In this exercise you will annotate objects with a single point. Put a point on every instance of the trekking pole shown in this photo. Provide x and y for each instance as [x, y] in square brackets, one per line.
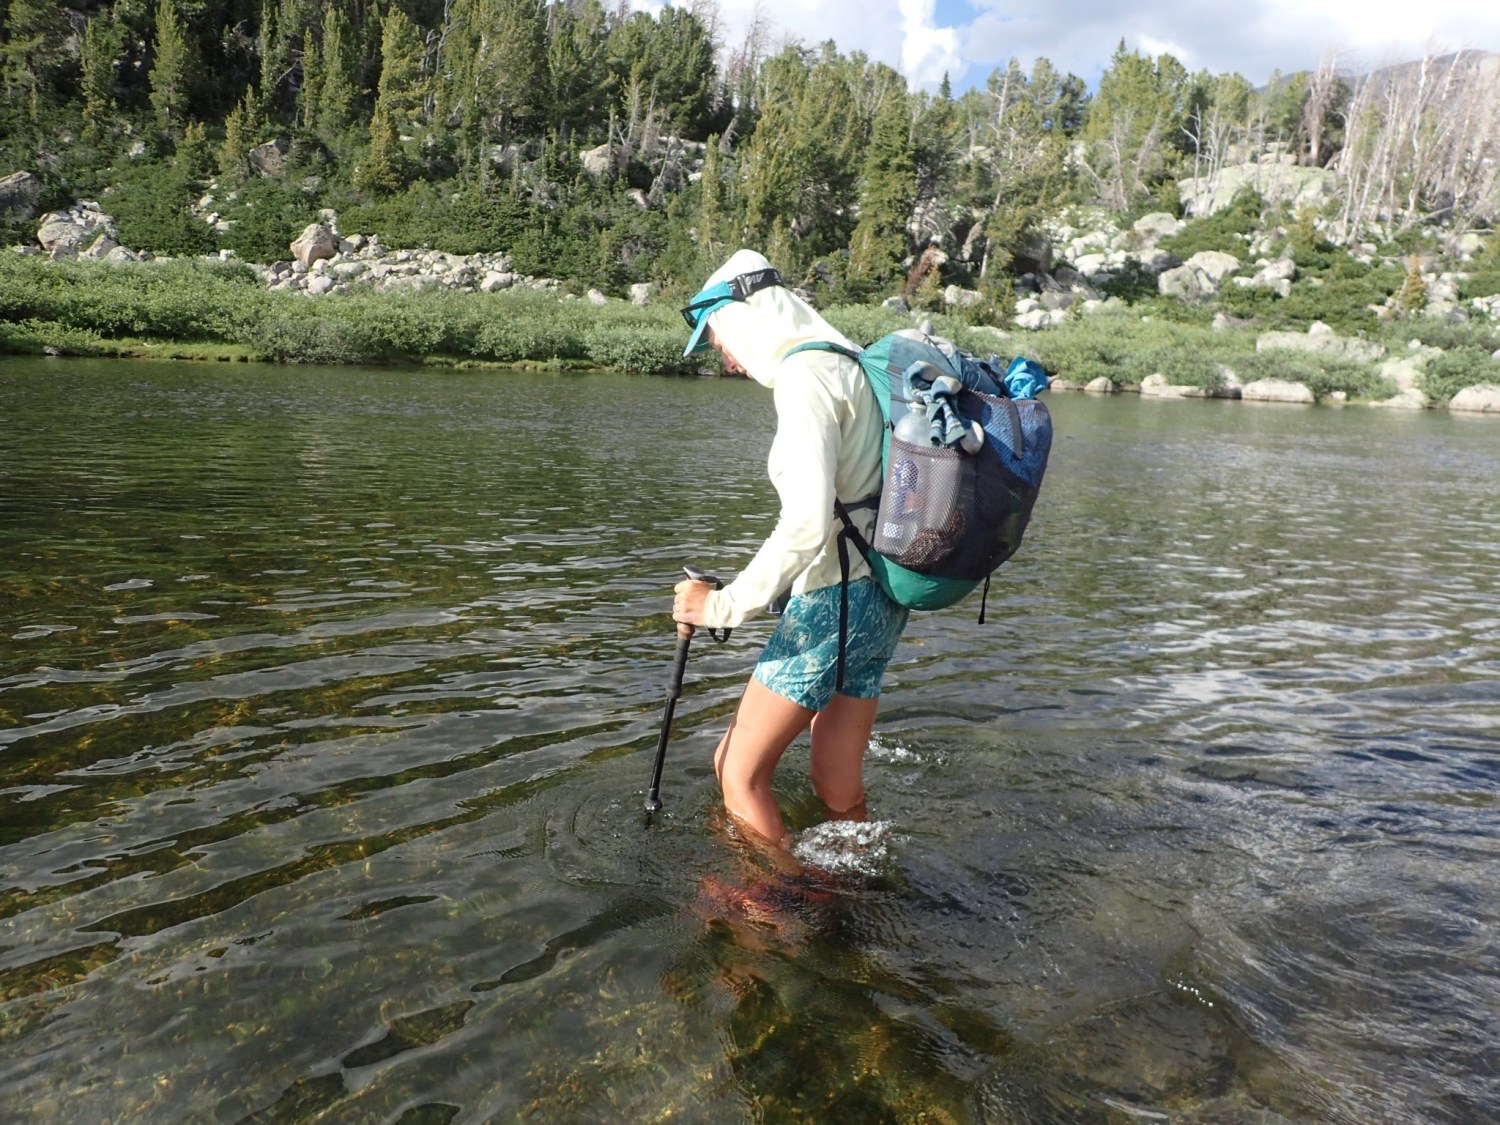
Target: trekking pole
[674, 690]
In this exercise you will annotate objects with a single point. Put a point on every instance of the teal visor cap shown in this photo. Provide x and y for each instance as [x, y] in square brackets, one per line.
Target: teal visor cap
[712, 297]
[697, 311]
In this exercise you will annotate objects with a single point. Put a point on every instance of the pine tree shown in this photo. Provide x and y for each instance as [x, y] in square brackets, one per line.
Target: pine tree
[1412, 297]
[498, 55]
[679, 65]
[580, 84]
[31, 47]
[102, 41]
[169, 71]
[194, 155]
[800, 166]
[268, 47]
[398, 103]
[888, 187]
[241, 129]
[937, 149]
[1133, 126]
[714, 222]
[335, 100]
[310, 89]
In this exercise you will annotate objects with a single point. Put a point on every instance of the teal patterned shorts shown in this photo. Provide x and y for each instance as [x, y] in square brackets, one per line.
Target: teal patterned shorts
[800, 661]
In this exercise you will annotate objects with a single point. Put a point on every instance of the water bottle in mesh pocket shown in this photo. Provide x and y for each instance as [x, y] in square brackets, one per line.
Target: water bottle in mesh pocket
[924, 505]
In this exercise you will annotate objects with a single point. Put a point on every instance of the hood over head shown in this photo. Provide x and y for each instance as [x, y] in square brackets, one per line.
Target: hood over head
[760, 330]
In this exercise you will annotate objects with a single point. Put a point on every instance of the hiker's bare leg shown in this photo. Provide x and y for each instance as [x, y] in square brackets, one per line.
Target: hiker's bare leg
[840, 736]
[761, 730]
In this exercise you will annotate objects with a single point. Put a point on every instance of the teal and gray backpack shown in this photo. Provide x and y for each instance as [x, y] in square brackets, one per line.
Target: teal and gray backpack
[945, 517]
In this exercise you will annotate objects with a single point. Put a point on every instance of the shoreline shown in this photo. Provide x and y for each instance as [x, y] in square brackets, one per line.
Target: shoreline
[216, 311]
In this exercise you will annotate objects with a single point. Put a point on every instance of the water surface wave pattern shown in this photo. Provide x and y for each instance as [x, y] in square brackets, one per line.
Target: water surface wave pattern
[327, 704]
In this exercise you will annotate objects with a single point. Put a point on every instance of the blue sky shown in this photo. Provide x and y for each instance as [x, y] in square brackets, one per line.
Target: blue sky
[970, 38]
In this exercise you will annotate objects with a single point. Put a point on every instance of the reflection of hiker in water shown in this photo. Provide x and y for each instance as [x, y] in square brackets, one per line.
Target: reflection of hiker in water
[827, 446]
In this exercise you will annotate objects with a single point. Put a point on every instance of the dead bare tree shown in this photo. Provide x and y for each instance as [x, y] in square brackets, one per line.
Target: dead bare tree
[1322, 92]
[1422, 143]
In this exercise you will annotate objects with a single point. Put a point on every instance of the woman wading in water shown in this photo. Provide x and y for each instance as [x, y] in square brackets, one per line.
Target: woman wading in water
[827, 447]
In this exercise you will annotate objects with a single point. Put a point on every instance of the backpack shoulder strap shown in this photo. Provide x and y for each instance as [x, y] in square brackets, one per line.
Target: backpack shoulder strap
[849, 533]
[823, 346]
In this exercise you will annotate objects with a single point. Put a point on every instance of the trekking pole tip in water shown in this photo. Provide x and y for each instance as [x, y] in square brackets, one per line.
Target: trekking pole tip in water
[674, 689]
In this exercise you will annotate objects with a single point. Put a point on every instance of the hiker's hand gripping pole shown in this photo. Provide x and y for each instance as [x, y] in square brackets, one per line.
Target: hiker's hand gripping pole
[674, 687]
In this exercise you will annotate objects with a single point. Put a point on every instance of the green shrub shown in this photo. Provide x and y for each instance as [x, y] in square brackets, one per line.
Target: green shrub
[151, 212]
[265, 216]
[1443, 334]
[1344, 297]
[1253, 302]
[1447, 374]
[395, 325]
[864, 324]
[1180, 365]
[35, 337]
[514, 339]
[1084, 351]
[182, 300]
[1127, 348]
[1133, 284]
[1323, 375]
[1227, 231]
[649, 348]
[287, 337]
[1480, 283]
[462, 221]
[1483, 275]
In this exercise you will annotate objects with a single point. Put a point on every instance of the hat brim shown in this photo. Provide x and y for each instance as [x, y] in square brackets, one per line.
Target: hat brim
[696, 343]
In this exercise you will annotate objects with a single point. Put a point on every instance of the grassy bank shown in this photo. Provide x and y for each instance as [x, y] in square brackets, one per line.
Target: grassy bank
[221, 310]
[205, 309]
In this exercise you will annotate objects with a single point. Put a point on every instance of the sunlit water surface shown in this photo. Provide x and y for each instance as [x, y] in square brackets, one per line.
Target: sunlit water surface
[328, 700]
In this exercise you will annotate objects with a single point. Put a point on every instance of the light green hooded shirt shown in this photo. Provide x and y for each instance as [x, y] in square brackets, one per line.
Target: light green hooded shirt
[827, 444]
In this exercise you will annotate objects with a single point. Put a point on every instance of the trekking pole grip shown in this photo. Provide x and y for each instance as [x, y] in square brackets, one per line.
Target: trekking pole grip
[698, 574]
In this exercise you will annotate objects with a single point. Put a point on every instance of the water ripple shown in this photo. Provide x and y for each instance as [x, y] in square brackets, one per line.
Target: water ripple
[330, 697]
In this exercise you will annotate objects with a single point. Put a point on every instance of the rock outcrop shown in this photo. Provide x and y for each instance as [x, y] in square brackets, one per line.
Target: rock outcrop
[62, 234]
[1278, 390]
[314, 244]
[1156, 386]
[1409, 399]
[1277, 180]
[1482, 398]
[1322, 340]
[19, 193]
[268, 160]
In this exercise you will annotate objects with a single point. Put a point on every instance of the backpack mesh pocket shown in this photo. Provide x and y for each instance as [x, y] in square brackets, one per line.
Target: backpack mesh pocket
[925, 505]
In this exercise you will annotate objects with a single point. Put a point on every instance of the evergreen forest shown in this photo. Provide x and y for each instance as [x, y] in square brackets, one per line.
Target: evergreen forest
[608, 146]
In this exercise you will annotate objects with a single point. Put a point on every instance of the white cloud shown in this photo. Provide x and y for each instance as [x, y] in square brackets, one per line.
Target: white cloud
[1157, 47]
[1253, 37]
[928, 52]
[970, 38]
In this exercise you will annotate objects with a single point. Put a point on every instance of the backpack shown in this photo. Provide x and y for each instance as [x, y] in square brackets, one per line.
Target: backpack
[945, 518]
